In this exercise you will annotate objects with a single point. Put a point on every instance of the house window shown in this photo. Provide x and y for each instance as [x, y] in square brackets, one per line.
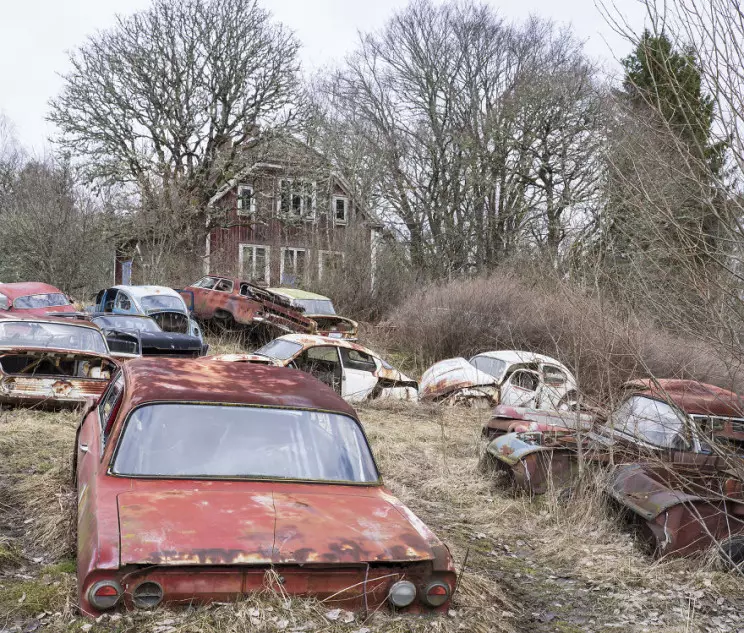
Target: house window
[293, 265]
[340, 209]
[297, 198]
[254, 262]
[329, 262]
[246, 201]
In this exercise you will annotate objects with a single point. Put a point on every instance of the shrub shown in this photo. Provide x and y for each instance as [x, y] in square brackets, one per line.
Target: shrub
[508, 311]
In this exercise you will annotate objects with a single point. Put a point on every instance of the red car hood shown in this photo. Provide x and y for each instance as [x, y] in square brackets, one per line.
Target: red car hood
[217, 527]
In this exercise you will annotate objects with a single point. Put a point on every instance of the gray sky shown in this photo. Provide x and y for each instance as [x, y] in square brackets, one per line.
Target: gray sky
[35, 35]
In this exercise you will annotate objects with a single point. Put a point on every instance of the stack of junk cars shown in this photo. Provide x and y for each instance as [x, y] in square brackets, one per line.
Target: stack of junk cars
[203, 478]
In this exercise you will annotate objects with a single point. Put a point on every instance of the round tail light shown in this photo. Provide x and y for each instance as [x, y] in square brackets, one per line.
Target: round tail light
[147, 595]
[436, 593]
[104, 594]
[402, 593]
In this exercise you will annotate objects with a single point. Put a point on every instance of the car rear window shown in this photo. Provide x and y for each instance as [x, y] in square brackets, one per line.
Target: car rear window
[162, 302]
[212, 441]
[33, 302]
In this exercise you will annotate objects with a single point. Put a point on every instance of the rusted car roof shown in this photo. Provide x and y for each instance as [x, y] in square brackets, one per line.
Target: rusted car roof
[25, 288]
[693, 397]
[178, 379]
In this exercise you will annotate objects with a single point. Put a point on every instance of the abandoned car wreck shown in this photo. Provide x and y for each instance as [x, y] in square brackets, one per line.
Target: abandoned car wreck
[509, 377]
[202, 481]
[230, 304]
[672, 452]
[52, 363]
[351, 370]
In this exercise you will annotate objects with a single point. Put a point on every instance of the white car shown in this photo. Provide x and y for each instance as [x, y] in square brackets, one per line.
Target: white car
[508, 377]
[164, 305]
[353, 371]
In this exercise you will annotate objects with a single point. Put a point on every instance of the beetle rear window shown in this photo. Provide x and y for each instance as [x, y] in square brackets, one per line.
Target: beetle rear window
[205, 441]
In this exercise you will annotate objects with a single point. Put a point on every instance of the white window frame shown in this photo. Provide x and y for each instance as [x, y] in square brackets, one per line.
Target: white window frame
[346, 209]
[242, 262]
[304, 215]
[252, 209]
[294, 260]
[321, 257]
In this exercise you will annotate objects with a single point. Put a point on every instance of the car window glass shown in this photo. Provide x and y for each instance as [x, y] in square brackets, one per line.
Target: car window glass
[224, 285]
[524, 380]
[354, 359]
[207, 283]
[492, 366]
[554, 376]
[122, 302]
[279, 349]
[213, 441]
[4, 303]
[47, 300]
[650, 421]
[107, 407]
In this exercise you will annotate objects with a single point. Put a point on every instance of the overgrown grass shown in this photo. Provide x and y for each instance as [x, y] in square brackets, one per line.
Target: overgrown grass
[526, 564]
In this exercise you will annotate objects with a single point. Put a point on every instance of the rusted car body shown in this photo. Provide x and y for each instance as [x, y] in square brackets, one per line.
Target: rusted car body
[506, 419]
[510, 377]
[201, 481]
[351, 370]
[33, 299]
[682, 510]
[320, 309]
[52, 363]
[231, 303]
[672, 447]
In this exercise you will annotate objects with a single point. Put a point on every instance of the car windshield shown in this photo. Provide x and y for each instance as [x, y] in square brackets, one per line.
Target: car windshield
[316, 306]
[207, 282]
[48, 300]
[152, 303]
[213, 441]
[127, 323]
[279, 349]
[38, 334]
[492, 366]
[650, 421]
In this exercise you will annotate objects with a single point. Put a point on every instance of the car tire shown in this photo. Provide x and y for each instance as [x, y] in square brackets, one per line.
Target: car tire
[732, 553]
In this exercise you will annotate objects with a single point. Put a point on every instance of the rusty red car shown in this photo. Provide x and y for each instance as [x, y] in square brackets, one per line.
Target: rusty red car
[52, 363]
[200, 481]
[33, 299]
[672, 451]
[229, 303]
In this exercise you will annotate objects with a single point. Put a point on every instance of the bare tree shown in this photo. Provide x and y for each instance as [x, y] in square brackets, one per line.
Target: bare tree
[53, 231]
[479, 133]
[166, 100]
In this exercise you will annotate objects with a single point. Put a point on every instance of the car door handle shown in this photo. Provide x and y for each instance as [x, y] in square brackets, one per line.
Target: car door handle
[83, 448]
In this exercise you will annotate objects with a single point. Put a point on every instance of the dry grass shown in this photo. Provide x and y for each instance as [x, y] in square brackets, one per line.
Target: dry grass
[537, 565]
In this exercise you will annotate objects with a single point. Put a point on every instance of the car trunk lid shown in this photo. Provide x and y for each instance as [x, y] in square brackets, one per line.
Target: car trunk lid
[210, 527]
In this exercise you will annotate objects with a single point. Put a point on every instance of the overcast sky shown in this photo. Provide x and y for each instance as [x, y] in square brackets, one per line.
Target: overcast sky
[35, 36]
